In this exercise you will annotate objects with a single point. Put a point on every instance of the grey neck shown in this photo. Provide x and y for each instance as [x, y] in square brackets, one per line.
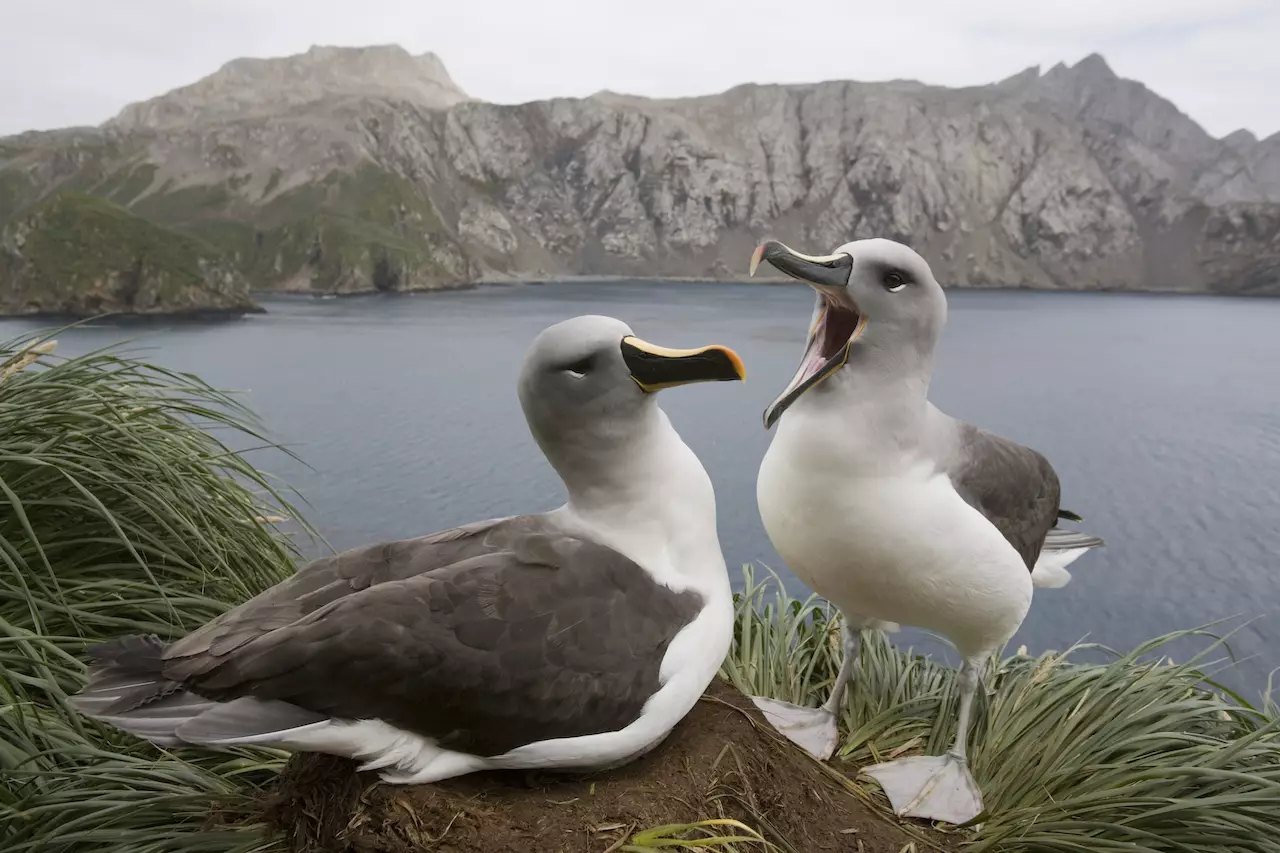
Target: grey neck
[881, 394]
[893, 371]
[644, 493]
[606, 456]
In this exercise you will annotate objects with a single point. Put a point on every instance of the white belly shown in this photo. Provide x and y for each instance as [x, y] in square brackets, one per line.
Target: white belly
[898, 546]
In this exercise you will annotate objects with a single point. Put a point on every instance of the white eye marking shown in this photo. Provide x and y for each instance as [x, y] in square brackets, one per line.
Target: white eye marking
[895, 288]
[894, 281]
[579, 368]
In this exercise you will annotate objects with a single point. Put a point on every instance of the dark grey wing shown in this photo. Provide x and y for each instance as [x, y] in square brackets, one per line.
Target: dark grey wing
[1013, 486]
[322, 582]
[549, 636]
[115, 686]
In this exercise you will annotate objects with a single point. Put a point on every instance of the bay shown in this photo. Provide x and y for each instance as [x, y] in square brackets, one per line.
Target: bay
[1161, 415]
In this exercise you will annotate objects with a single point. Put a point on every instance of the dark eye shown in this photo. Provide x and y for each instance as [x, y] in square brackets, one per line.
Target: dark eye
[579, 368]
[894, 281]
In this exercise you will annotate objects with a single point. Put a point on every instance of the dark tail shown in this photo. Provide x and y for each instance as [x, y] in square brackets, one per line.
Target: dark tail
[128, 690]
[1062, 539]
[139, 653]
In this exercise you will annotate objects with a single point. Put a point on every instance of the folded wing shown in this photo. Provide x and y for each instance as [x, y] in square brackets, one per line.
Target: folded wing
[482, 638]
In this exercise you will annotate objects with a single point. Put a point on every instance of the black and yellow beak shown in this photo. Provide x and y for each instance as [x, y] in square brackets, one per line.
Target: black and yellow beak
[654, 368]
[837, 322]
[818, 270]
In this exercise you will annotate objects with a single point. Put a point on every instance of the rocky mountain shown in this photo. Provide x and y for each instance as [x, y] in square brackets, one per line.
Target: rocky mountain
[245, 88]
[346, 170]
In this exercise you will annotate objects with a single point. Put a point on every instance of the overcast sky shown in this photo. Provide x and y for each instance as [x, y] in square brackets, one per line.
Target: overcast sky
[65, 62]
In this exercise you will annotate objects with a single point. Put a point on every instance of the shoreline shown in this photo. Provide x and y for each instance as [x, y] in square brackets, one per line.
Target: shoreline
[191, 314]
[582, 280]
[208, 314]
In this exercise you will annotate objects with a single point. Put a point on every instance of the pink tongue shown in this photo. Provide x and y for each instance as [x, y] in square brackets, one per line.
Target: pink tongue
[810, 365]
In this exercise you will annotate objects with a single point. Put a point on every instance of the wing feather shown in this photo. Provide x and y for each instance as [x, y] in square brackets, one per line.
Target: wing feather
[484, 638]
[1013, 486]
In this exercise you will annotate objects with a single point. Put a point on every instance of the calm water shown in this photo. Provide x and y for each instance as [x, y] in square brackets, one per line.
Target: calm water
[1161, 415]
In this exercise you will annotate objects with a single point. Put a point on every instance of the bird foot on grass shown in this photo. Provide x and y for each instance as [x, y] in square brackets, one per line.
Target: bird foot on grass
[812, 729]
[933, 787]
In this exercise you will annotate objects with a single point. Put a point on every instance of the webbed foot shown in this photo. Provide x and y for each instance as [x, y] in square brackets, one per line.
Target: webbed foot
[934, 787]
[812, 729]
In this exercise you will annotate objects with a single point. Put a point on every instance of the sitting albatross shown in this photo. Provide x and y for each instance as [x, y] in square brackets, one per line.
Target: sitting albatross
[575, 638]
[893, 511]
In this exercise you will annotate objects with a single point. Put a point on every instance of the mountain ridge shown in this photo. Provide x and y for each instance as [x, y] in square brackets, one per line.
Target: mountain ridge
[348, 170]
[250, 86]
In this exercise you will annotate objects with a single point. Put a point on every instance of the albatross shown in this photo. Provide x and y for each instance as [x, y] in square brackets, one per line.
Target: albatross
[893, 511]
[575, 638]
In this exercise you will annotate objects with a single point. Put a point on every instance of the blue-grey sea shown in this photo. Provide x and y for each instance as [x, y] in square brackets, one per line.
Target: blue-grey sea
[1160, 413]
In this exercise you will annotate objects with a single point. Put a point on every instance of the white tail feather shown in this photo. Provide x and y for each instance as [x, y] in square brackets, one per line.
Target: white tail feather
[1061, 549]
[1050, 571]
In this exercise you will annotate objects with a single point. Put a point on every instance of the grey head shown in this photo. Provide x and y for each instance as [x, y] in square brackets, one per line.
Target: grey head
[877, 306]
[587, 386]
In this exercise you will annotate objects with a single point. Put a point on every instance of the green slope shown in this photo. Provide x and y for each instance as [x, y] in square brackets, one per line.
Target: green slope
[80, 255]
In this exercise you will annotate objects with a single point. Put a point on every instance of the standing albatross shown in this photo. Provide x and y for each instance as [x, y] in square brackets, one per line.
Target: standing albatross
[575, 638]
[893, 511]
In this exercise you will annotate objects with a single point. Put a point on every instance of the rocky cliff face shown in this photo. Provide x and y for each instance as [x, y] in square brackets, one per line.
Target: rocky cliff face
[1072, 179]
[1247, 171]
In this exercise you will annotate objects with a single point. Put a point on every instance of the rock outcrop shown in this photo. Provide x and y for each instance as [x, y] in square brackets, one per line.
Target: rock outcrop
[355, 170]
[77, 255]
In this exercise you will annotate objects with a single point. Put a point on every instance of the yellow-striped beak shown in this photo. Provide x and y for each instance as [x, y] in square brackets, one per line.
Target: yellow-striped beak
[655, 367]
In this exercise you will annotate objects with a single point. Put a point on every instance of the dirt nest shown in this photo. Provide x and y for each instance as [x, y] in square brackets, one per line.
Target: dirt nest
[722, 760]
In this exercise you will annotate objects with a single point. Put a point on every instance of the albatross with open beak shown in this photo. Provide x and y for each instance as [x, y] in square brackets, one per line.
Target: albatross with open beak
[575, 638]
[893, 511]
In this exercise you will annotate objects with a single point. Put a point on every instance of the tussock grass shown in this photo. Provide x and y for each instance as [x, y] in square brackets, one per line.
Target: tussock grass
[1138, 753]
[122, 510]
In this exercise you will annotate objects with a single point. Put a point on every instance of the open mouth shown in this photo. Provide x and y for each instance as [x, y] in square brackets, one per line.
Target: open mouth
[839, 321]
[836, 328]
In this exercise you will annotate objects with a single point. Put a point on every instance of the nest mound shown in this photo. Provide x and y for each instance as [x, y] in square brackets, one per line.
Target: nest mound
[722, 760]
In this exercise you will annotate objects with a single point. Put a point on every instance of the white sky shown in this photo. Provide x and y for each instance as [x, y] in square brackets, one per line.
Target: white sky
[65, 62]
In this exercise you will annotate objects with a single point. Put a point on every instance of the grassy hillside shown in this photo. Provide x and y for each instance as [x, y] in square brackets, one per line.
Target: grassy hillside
[82, 255]
[361, 230]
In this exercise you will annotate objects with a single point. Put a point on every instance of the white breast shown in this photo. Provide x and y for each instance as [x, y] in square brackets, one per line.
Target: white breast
[891, 540]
